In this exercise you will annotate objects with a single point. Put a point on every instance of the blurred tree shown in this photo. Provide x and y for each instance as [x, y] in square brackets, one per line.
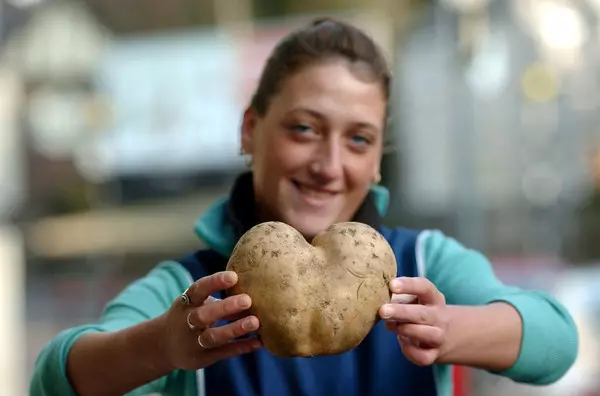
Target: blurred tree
[74, 197]
[269, 8]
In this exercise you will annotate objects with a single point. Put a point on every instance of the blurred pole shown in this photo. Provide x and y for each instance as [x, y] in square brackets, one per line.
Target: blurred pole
[12, 262]
[464, 194]
[12, 313]
[235, 22]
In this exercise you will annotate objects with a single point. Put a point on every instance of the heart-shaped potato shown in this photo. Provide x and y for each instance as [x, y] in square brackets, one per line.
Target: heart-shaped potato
[313, 299]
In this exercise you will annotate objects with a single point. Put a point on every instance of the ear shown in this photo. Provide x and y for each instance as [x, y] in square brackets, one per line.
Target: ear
[377, 173]
[247, 131]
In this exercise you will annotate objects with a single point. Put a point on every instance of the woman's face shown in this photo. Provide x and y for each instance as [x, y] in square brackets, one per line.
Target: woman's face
[318, 148]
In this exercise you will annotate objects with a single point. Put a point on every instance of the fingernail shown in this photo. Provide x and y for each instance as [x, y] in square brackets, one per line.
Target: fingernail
[396, 285]
[244, 301]
[386, 312]
[256, 344]
[248, 324]
[230, 277]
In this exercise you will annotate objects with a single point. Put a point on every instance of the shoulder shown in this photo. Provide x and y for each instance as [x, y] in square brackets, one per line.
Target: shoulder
[427, 248]
[399, 234]
[431, 243]
[401, 237]
[152, 292]
[407, 244]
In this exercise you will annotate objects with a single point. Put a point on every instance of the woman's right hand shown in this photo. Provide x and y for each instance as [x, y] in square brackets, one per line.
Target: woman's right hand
[192, 342]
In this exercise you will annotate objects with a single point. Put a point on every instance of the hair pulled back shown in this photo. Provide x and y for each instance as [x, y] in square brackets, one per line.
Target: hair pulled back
[322, 40]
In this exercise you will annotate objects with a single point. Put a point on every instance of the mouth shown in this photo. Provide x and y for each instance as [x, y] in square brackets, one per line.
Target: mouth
[313, 195]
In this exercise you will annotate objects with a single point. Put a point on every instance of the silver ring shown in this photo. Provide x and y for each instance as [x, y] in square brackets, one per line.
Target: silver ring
[184, 298]
[200, 342]
[187, 319]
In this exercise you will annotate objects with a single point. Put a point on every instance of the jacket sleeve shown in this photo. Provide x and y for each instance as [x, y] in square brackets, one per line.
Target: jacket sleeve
[550, 339]
[143, 299]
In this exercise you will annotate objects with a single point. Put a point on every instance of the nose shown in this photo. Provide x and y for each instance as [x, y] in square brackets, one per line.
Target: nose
[327, 164]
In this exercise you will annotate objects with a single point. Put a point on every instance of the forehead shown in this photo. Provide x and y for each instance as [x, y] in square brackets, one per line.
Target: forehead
[334, 90]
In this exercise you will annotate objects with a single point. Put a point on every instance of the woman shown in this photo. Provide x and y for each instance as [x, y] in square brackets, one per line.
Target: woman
[314, 132]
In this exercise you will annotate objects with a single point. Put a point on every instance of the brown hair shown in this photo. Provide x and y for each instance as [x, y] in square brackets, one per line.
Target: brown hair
[321, 40]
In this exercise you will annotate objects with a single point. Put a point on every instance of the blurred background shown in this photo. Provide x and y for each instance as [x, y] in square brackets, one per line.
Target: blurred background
[119, 124]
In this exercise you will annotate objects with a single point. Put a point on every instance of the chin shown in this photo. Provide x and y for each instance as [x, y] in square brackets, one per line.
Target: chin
[309, 226]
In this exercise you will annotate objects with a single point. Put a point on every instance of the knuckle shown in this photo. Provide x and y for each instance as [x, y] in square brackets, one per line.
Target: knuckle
[399, 311]
[223, 334]
[430, 287]
[439, 337]
[228, 307]
[238, 329]
[203, 316]
[209, 338]
[433, 336]
[221, 308]
[442, 297]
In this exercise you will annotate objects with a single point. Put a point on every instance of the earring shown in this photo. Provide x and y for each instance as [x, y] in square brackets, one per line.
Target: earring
[377, 178]
[248, 158]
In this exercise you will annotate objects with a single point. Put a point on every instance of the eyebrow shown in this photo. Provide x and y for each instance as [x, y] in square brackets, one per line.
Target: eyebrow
[322, 117]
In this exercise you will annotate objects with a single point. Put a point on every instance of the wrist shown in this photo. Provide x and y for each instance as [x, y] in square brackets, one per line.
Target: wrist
[486, 337]
[148, 341]
[451, 343]
[162, 357]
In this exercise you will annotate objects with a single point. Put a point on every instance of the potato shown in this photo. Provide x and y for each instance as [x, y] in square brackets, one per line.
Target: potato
[313, 299]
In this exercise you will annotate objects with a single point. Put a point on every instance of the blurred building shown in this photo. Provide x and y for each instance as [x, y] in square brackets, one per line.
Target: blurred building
[125, 121]
[497, 118]
[131, 128]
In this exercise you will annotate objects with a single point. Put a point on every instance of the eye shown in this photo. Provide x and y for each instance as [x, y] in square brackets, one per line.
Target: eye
[360, 140]
[300, 128]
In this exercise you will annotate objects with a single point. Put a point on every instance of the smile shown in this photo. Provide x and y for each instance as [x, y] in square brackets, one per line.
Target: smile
[313, 195]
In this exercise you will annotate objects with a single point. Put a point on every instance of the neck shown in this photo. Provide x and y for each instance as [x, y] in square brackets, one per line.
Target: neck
[245, 212]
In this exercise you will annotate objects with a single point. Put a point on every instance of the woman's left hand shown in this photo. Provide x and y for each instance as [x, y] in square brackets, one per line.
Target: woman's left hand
[422, 325]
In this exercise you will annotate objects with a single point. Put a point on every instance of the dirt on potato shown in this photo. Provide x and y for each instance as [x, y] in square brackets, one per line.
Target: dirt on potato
[312, 299]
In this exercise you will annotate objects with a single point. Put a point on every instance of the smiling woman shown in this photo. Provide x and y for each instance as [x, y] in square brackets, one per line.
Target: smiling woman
[315, 126]
[318, 147]
[315, 131]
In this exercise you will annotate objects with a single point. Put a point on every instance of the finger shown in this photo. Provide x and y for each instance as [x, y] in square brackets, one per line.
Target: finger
[422, 335]
[211, 299]
[419, 356]
[210, 313]
[408, 313]
[403, 299]
[423, 288]
[200, 290]
[217, 336]
[228, 318]
[426, 335]
[236, 316]
[233, 348]
[392, 326]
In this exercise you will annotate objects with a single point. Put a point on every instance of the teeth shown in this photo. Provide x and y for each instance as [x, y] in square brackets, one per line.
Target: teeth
[314, 194]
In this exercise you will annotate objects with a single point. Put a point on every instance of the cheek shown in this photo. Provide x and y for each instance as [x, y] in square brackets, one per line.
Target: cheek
[283, 156]
[360, 173]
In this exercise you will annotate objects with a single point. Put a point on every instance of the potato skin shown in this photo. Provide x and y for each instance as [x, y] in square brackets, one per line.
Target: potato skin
[313, 299]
